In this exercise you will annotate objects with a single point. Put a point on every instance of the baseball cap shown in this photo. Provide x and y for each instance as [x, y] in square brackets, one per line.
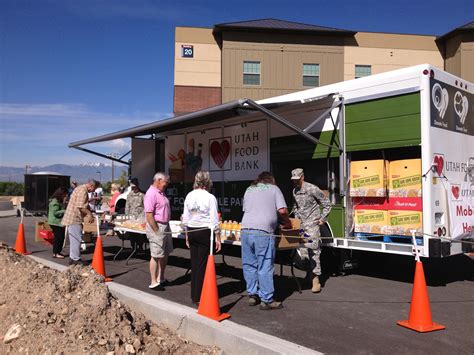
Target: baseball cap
[296, 173]
[134, 182]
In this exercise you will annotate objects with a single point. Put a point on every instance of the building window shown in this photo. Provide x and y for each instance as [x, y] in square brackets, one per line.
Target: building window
[362, 70]
[251, 73]
[311, 75]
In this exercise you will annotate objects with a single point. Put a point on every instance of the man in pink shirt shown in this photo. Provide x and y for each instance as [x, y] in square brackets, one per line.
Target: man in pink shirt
[158, 232]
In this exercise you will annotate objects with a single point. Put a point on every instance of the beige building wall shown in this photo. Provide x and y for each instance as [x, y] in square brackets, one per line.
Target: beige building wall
[281, 65]
[204, 69]
[385, 52]
[467, 65]
[453, 55]
[459, 55]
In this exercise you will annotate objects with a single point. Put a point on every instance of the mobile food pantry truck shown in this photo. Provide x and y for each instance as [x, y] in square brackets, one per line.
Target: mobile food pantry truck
[394, 152]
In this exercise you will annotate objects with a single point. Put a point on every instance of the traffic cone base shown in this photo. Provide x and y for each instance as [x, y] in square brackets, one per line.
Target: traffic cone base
[98, 259]
[419, 318]
[20, 244]
[218, 318]
[209, 303]
[421, 328]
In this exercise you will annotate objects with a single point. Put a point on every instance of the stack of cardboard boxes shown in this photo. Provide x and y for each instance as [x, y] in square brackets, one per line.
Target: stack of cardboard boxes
[386, 196]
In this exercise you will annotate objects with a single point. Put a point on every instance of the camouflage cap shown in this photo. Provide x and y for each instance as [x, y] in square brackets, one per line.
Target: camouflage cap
[296, 174]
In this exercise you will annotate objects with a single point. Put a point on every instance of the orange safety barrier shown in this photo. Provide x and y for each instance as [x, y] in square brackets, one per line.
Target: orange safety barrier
[209, 303]
[98, 259]
[20, 245]
[419, 318]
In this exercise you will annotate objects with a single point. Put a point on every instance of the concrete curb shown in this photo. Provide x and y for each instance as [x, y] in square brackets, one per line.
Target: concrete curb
[231, 337]
[9, 213]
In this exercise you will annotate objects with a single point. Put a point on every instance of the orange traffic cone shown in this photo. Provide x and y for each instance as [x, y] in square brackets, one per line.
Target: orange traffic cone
[20, 245]
[98, 259]
[209, 303]
[419, 318]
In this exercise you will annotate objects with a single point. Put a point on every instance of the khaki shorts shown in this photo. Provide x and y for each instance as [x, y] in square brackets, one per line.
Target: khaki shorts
[161, 244]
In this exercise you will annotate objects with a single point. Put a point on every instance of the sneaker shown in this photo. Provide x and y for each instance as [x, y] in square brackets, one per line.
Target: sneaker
[153, 285]
[269, 306]
[58, 256]
[254, 300]
[316, 285]
[156, 287]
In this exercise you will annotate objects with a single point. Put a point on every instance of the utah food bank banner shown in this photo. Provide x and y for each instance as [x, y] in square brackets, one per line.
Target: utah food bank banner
[232, 153]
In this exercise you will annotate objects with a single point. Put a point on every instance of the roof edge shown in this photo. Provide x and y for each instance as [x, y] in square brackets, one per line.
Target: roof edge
[454, 32]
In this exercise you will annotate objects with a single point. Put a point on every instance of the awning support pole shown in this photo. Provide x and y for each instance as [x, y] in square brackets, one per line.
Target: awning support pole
[118, 160]
[287, 124]
[322, 116]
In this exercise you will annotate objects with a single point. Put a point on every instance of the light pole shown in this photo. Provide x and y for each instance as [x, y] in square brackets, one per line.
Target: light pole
[113, 155]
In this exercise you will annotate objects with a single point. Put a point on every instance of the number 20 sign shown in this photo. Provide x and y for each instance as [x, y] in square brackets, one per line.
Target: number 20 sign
[187, 51]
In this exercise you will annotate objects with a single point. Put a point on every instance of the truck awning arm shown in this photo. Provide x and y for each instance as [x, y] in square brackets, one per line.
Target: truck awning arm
[215, 115]
[118, 160]
[302, 132]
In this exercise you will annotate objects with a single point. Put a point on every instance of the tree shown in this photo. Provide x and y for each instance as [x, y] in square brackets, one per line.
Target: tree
[123, 179]
[12, 189]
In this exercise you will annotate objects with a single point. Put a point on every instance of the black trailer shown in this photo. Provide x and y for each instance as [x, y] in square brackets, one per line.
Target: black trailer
[38, 189]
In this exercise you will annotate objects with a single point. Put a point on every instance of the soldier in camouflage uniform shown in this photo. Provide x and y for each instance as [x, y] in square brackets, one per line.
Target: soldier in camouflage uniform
[134, 205]
[311, 207]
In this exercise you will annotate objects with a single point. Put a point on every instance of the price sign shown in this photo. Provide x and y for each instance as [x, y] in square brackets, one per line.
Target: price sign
[187, 51]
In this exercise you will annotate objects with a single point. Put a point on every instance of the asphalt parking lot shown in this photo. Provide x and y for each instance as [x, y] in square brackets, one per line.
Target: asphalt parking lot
[355, 313]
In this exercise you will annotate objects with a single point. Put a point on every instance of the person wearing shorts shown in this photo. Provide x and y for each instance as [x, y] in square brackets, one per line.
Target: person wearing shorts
[158, 213]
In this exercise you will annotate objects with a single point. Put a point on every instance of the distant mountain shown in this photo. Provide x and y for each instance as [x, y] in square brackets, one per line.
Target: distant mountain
[81, 173]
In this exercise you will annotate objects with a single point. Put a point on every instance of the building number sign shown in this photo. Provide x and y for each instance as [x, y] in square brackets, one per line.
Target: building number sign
[187, 51]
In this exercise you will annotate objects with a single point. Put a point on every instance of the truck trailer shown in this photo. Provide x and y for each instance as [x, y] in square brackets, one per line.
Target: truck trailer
[418, 119]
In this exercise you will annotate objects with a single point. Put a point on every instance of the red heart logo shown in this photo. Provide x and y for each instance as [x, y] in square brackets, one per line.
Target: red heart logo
[220, 152]
[455, 191]
[439, 162]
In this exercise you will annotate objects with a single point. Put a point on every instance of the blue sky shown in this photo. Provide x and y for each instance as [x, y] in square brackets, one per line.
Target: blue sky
[74, 69]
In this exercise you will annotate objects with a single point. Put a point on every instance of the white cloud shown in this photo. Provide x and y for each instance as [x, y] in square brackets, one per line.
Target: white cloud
[68, 111]
[40, 133]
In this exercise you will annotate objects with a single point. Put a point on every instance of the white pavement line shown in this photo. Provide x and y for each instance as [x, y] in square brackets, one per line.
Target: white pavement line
[231, 337]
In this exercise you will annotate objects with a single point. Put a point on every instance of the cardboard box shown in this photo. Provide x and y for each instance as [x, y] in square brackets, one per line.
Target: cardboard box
[290, 238]
[371, 221]
[89, 227]
[369, 178]
[403, 222]
[40, 228]
[405, 178]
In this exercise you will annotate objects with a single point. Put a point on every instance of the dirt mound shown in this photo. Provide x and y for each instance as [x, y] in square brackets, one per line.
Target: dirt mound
[73, 312]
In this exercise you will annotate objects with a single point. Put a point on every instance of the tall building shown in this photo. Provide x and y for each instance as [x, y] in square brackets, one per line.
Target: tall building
[270, 57]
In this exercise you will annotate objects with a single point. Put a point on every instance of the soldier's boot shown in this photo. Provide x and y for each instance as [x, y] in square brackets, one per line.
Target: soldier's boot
[316, 285]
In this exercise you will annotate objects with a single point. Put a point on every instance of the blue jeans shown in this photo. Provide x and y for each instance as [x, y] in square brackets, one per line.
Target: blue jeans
[258, 257]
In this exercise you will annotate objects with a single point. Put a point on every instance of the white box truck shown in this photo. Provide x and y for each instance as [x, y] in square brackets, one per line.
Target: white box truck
[419, 114]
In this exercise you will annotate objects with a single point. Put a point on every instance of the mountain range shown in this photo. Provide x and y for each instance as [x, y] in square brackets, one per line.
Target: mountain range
[80, 173]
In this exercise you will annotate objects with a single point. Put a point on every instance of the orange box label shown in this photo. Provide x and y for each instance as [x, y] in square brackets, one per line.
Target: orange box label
[368, 178]
[405, 178]
[370, 221]
[403, 222]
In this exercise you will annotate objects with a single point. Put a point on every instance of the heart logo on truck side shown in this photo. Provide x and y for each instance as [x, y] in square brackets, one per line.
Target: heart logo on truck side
[220, 152]
[439, 163]
[455, 191]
